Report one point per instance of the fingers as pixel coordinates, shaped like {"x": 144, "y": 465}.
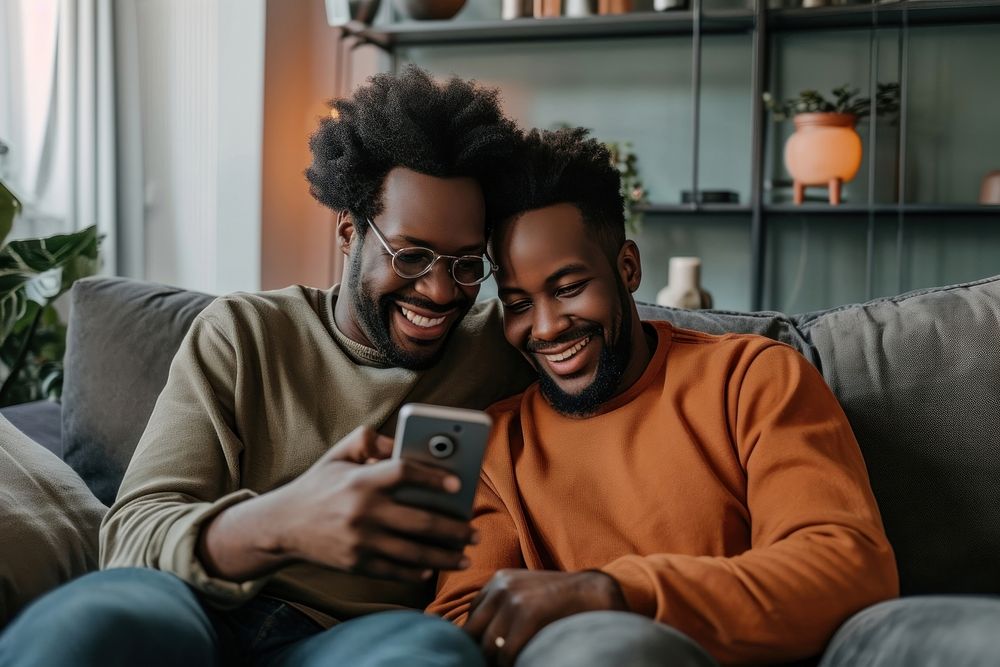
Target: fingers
{"x": 423, "y": 524}
{"x": 482, "y": 612}
{"x": 415, "y": 554}
{"x": 396, "y": 472}
{"x": 361, "y": 445}
{"x": 495, "y": 642}
{"x": 383, "y": 568}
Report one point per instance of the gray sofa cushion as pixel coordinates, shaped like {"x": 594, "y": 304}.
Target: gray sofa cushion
{"x": 122, "y": 336}
{"x": 48, "y": 523}
{"x": 919, "y": 377}
{"x": 777, "y": 326}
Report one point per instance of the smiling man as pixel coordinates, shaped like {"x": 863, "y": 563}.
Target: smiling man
{"x": 660, "y": 496}
{"x": 256, "y": 522}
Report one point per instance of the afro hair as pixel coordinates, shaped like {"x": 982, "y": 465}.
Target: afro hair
{"x": 408, "y": 120}
{"x": 565, "y": 166}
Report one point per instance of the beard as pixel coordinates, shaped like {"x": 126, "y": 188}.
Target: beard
{"x": 611, "y": 366}
{"x": 374, "y": 315}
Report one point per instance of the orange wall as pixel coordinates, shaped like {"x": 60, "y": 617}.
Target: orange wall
{"x": 300, "y": 74}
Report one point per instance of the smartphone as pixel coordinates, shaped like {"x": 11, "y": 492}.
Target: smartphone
{"x": 450, "y": 438}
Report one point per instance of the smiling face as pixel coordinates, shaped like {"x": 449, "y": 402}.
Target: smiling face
{"x": 568, "y": 307}
{"x": 409, "y": 320}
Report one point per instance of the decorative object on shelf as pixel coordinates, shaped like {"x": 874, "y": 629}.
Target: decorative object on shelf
{"x": 516, "y": 9}
{"x": 683, "y": 288}
{"x": 989, "y": 193}
{"x": 580, "y": 8}
{"x": 547, "y": 8}
{"x": 342, "y": 12}
{"x": 667, "y": 5}
{"x": 633, "y": 192}
{"x": 826, "y": 148}
{"x": 711, "y": 197}
{"x": 614, "y": 6}
{"x": 430, "y": 10}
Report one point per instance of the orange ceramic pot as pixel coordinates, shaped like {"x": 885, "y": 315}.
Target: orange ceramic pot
{"x": 824, "y": 150}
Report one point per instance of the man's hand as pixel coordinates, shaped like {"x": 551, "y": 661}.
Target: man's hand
{"x": 340, "y": 513}
{"x": 516, "y": 604}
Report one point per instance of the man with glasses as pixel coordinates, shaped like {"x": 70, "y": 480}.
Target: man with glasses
{"x": 256, "y": 522}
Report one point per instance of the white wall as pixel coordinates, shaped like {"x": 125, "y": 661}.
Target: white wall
{"x": 200, "y": 98}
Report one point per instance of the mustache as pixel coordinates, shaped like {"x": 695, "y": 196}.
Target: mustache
{"x": 575, "y": 333}
{"x": 428, "y": 305}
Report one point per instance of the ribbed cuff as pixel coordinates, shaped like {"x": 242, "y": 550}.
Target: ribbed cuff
{"x": 636, "y": 585}
{"x": 180, "y": 550}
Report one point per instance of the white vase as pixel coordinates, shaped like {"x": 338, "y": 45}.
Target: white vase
{"x": 683, "y": 289}
{"x": 515, "y": 9}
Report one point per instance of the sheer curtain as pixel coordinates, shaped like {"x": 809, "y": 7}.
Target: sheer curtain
{"x": 57, "y": 114}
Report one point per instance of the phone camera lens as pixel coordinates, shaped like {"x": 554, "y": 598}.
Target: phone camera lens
{"x": 441, "y": 446}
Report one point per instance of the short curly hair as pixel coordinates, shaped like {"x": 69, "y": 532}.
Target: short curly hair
{"x": 408, "y": 120}
{"x": 566, "y": 166}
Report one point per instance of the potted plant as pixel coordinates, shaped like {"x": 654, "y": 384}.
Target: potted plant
{"x": 33, "y": 274}
{"x": 633, "y": 192}
{"x": 825, "y": 148}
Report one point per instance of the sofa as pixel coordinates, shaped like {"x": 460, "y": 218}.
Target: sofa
{"x": 918, "y": 376}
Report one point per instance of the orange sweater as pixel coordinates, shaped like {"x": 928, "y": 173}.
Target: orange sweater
{"x": 724, "y": 491}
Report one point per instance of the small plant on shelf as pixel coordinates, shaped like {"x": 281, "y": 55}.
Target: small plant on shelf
{"x": 633, "y": 191}
{"x": 845, "y": 100}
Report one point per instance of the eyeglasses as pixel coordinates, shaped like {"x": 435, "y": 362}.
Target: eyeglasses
{"x": 411, "y": 263}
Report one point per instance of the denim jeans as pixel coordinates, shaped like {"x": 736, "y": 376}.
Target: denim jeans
{"x": 146, "y": 617}
{"x": 930, "y": 631}
{"x": 609, "y": 638}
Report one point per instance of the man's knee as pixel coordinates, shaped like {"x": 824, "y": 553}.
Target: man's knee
{"x": 612, "y": 638}
{"x": 433, "y": 639}
{"x": 956, "y": 631}
{"x": 387, "y": 639}
{"x": 103, "y": 614}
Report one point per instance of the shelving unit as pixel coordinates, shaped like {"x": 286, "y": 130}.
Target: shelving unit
{"x": 434, "y": 33}
{"x": 760, "y": 23}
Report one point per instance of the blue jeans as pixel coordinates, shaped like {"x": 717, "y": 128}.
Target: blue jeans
{"x": 146, "y": 617}
{"x": 607, "y": 638}
{"x": 936, "y": 631}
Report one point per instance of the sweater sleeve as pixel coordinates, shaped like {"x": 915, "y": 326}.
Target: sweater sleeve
{"x": 185, "y": 469}
{"x": 498, "y": 549}
{"x": 818, "y": 550}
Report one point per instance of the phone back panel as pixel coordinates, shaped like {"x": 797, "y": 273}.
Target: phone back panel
{"x": 449, "y": 438}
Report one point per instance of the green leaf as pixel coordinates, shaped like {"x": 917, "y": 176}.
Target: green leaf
{"x": 9, "y": 208}
{"x": 33, "y": 273}
{"x": 12, "y": 308}
{"x": 40, "y": 255}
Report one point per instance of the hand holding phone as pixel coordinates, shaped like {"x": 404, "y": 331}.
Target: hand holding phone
{"x": 450, "y": 438}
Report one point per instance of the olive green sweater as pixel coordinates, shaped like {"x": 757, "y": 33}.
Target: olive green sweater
{"x": 261, "y": 387}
